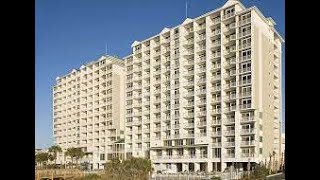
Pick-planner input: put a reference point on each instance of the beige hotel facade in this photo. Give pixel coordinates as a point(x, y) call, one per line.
point(88, 107)
point(195, 97)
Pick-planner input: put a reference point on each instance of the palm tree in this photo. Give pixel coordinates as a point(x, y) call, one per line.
point(74, 153)
point(70, 152)
point(41, 158)
point(79, 154)
point(54, 150)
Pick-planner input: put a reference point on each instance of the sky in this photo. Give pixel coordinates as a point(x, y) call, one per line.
point(74, 32)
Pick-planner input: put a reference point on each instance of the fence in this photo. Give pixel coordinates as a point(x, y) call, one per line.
point(232, 175)
point(58, 173)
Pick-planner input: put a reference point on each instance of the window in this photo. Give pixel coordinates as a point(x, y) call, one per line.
point(102, 157)
point(261, 138)
point(216, 152)
point(260, 150)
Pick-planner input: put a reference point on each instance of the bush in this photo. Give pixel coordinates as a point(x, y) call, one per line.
point(90, 177)
point(215, 178)
point(260, 172)
point(134, 168)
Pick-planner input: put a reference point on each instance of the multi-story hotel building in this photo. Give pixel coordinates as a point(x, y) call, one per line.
point(206, 93)
point(88, 107)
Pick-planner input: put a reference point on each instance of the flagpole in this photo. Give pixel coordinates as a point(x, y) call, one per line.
point(106, 48)
point(186, 9)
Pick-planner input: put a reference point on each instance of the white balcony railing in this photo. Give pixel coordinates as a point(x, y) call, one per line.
point(216, 133)
point(229, 144)
point(230, 132)
point(216, 144)
point(245, 70)
point(247, 131)
point(244, 58)
point(244, 21)
point(245, 106)
point(228, 15)
point(247, 143)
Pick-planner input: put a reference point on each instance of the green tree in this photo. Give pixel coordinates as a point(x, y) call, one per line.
point(41, 158)
point(74, 154)
point(54, 150)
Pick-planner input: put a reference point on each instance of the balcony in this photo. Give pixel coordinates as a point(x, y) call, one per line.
point(202, 27)
point(244, 58)
point(232, 96)
point(137, 87)
point(245, 106)
point(190, 30)
point(189, 136)
point(230, 74)
point(247, 155)
point(175, 96)
point(175, 116)
point(176, 106)
point(188, 73)
point(215, 78)
point(244, 22)
point(229, 133)
point(202, 113)
point(175, 85)
point(176, 56)
point(189, 115)
point(232, 49)
point(167, 118)
point(188, 84)
point(247, 143)
point(216, 111)
point(216, 20)
point(157, 129)
point(201, 70)
point(137, 51)
point(157, 120)
point(216, 44)
point(216, 32)
point(216, 144)
point(189, 94)
point(202, 80)
point(216, 122)
point(230, 155)
point(216, 88)
point(229, 121)
point(189, 42)
point(176, 126)
point(247, 119)
point(245, 70)
point(247, 131)
point(189, 105)
point(229, 15)
point(156, 111)
point(189, 63)
point(244, 34)
point(137, 123)
point(216, 55)
point(229, 144)
point(245, 82)
point(189, 52)
point(231, 108)
point(165, 40)
point(201, 60)
point(245, 46)
point(201, 92)
point(175, 76)
point(231, 26)
point(202, 123)
point(216, 133)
